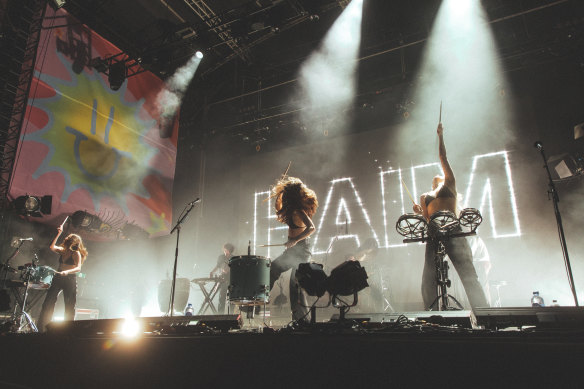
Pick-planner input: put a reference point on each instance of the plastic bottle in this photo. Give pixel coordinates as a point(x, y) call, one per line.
point(189, 311)
point(537, 300)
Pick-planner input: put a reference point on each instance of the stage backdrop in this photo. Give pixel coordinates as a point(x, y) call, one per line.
point(93, 149)
point(361, 181)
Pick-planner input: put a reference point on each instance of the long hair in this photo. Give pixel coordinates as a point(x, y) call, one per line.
point(73, 242)
point(295, 196)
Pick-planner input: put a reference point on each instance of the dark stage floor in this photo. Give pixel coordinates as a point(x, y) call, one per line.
point(411, 354)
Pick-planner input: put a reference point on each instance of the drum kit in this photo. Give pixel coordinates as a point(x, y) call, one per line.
point(31, 276)
point(442, 226)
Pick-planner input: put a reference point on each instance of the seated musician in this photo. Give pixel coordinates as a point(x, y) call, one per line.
point(295, 205)
point(72, 255)
point(221, 271)
point(443, 197)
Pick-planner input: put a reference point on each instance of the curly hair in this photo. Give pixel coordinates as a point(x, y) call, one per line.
point(73, 242)
point(295, 196)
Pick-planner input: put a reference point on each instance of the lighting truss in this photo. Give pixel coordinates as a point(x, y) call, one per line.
point(211, 19)
point(17, 86)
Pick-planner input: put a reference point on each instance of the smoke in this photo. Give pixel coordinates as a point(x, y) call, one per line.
point(327, 78)
point(460, 68)
point(170, 98)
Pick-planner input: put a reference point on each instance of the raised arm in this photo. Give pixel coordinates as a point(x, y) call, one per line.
point(53, 246)
point(449, 180)
point(308, 229)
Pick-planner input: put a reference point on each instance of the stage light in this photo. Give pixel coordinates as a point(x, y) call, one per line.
point(117, 75)
point(570, 166)
point(56, 4)
point(130, 327)
point(312, 278)
point(347, 279)
point(199, 55)
point(33, 205)
point(99, 64)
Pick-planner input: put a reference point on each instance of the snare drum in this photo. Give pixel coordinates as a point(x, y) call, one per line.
point(249, 280)
point(42, 277)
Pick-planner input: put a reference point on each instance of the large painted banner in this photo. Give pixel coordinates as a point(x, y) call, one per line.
point(92, 148)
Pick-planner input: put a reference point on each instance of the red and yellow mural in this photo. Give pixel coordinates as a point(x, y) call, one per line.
point(90, 147)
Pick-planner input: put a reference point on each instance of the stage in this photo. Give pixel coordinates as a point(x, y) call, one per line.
point(398, 352)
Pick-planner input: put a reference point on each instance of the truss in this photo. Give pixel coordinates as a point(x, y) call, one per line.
point(18, 56)
point(211, 19)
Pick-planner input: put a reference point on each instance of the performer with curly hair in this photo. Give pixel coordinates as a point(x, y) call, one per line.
point(72, 255)
point(295, 206)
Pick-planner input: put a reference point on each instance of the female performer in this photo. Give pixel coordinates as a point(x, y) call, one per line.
point(443, 197)
point(295, 206)
point(72, 255)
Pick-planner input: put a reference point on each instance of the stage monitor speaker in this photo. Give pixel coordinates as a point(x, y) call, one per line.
point(463, 319)
point(181, 294)
point(184, 325)
point(540, 317)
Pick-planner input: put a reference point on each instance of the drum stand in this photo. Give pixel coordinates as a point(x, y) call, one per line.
point(442, 300)
point(441, 226)
point(17, 318)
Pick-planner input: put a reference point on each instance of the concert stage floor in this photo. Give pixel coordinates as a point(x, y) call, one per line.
point(336, 355)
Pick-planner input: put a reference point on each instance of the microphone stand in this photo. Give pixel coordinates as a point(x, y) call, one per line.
point(176, 228)
point(556, 199)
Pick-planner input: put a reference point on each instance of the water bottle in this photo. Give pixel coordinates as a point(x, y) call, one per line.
point(537, 300)
point(189, 311)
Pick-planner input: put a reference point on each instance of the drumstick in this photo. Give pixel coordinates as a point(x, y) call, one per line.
point(270, 245)
point(288, 168)
point(64, 221)
point(409, 194)
point(440, 117)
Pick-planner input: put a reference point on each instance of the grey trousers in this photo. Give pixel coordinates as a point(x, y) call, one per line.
point(290, 259)
point(460, 254)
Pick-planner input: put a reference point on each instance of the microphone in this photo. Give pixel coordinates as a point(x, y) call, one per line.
point(23, 239)
point(538, 145)
point(195, 201)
